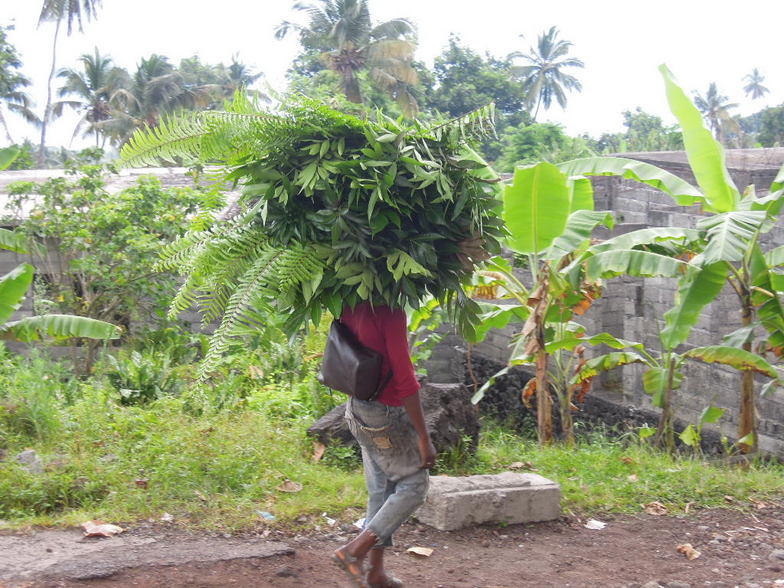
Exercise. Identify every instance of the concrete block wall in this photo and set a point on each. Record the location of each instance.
(634, 308)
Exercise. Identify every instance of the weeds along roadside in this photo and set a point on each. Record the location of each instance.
(221, 468)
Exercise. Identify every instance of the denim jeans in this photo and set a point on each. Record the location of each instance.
(390, 455)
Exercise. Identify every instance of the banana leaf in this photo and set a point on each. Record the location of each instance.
(13, 287)
(733, 357)
(729, 234)
(705, 154)
(680, 190)
(536, 207)
(58, 326)
(696, 289)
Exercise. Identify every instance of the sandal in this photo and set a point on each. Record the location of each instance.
(352, 566)
(388, 582)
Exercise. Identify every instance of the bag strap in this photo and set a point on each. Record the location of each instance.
(381, 385)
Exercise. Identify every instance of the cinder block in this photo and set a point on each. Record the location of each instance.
(454, 503)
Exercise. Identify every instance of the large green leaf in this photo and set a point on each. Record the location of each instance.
(580, 194)
(729, 234)
(616, 262)
(606, 362)
(645, 237)
(764, 295)
(733, 357)
(656, 381)
(13, 241)
(680, 190)
(498, 318)
(7, 156)
(775, 257)
(696, 289)
(778, 183)
(13, 287)
(578, 230)
(706, 155)
(479, 394)
(711, 414)
(771, 203)
(536, 207)
(58, 325)
(569, 341)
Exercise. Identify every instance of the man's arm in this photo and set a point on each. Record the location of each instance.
(427, 451)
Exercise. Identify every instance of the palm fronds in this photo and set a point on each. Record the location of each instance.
(334, 211)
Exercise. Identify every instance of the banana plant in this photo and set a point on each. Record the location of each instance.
(551, 220)
(14, 286)
(13, 289)
(729, 249)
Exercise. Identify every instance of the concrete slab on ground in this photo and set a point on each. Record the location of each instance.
(66, 555)
(457, 502)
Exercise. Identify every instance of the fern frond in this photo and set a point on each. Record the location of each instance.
(478, 123)
(239, 302)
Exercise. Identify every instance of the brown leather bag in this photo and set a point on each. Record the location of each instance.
(350, 367)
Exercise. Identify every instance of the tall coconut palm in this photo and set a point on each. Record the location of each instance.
(348, 41)
(715, 109)
(237, 75)
(543, 79)
(92, 86)
(12, 82)
(59, 11)
(754, 87)
(156, 88)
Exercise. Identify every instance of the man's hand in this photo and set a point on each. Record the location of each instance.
(427, 452)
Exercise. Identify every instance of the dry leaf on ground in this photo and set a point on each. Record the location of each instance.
(100, 529)
(595, 525)
(421, 551)
(167, 518)
(142, 483)
(522, 465)
(627, 459)
(689, 551)
(289, 486)
(318, 451)
(655, 508)
(632, 477)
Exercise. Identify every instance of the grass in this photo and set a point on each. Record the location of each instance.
(218, 469)
(603, 474)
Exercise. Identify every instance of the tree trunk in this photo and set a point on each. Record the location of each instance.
(351, 87)
(5, 127)
(567, 424)
(747, 423)
(48, 108)
(544, 405)
(665, 436)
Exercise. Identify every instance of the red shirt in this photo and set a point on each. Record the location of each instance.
(384, 330)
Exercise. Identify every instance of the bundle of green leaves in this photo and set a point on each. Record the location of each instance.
(334, 210)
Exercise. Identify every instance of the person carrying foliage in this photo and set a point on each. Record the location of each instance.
(396, 447)
(359, 217)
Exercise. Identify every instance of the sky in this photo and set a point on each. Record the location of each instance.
(622, 42)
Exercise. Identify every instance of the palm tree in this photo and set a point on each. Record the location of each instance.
(11, 84)
(93, 85)
(715, 109)
(156, 88)
(348, 42)
(58, 11)
(543, 79)
(237, 75)
(754, 86)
